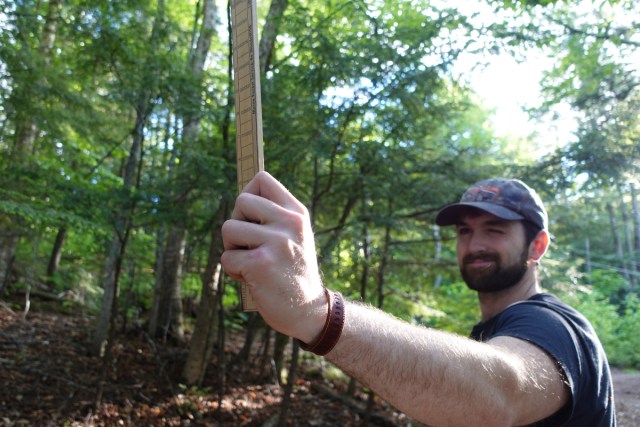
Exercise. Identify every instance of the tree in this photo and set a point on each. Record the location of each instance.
(201, 342)
(169, 312)
(30, 64)
(145, 95)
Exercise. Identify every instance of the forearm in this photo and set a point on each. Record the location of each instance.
(435, 377)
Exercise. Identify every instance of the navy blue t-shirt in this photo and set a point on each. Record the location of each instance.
(569, 338)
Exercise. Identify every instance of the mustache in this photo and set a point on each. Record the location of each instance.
(491, 256)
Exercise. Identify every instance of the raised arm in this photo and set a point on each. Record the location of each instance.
(435, 377)
(447, 380)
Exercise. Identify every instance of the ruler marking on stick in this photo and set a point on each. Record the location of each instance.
(246, 74)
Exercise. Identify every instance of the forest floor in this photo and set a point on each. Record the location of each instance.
(48, 378)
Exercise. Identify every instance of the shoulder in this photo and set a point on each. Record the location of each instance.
(549, 323)
(548, 311)
(541, 312)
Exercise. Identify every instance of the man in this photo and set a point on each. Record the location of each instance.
(533, 359)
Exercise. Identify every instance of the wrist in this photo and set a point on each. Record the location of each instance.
(333, 325)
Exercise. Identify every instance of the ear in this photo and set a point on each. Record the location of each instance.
(539, 245)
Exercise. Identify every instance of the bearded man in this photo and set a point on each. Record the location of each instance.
(532, 360)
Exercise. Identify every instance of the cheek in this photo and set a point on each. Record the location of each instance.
(460, 251)
(516, 253)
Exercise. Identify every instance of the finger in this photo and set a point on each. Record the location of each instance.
(232, 261)
(253, 208)
(265, 185)
(243, 235)
(247, 265)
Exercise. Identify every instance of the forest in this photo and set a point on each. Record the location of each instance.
(118, 169)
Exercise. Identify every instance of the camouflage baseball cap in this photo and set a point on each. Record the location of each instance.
(509, 199)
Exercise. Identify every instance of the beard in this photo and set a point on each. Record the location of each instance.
(496, 277)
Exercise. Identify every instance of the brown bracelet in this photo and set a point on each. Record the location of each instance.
(332, 327)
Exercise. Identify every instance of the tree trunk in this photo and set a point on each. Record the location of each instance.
(199, 55)
(587, 261)
(253, 325)
(629, 260)
(9, 239)
(56, 255)
(5, 282)
(437, 240)
(613, 222)
(366, 254)
(265, 359)
(201, 345)
(119, 239)
(155, 307)
(635, 215)
(278, 355)
(161, 236)
(48, 36)
(222, 360)
(169, 315)
(25, 136)
(384, 261)
(130, 296)
(26, 129)
(288, 389)
(270, 32)
(123, 217)
(170, 318)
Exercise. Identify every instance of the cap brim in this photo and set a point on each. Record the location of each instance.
(450, 214)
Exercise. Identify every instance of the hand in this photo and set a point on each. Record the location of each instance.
(269, 245)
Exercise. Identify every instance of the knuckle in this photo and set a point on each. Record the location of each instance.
(226, 228)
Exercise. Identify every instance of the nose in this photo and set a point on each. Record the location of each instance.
(478, 242)
(475, 242)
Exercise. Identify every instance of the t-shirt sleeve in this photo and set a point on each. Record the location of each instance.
(549, 331)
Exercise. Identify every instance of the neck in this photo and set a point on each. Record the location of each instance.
(492, 303)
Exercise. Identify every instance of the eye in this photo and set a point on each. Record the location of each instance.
(496, 231)
(461, 230)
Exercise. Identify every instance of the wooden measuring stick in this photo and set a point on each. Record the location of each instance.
(246, 74)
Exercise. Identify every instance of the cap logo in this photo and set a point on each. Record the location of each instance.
(483, 194)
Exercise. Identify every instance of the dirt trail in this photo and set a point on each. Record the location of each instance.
(627, 395)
